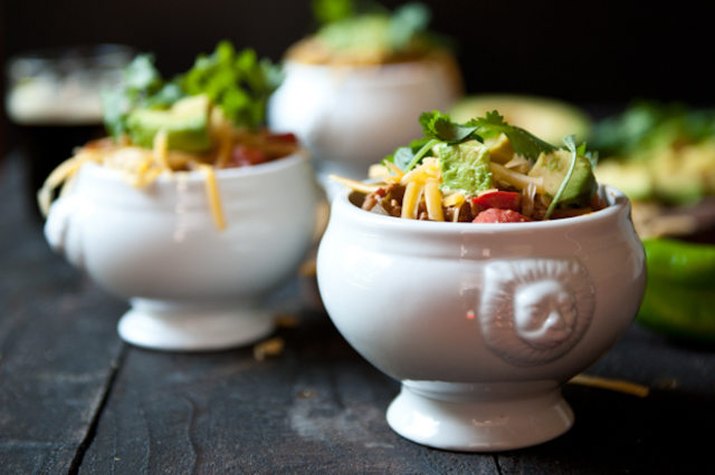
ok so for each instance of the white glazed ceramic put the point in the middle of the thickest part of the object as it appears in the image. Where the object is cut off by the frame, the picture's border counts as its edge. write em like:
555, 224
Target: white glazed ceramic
333, 108
191, 286
481, 323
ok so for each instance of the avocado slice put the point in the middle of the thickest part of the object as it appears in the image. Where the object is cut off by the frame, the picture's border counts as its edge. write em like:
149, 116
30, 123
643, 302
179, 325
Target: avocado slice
500, 150
553, 167
186, 124
548, 119
632, 178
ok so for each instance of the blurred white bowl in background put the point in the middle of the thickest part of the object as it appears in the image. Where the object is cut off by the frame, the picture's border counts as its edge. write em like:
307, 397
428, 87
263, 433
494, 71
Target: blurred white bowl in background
351, 117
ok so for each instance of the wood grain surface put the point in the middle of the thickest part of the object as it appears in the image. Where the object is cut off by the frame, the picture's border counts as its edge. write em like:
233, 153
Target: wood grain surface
75, 399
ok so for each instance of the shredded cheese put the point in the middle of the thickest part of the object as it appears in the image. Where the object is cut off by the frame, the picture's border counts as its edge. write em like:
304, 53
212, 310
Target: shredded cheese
377, 171
59, 176
516, 179
433, 200
139, 179
287, 320
355, 185
141, 168
214, 196
422, 183
161, 149
519, 164
388, 172
411, 200
454, 199
619, 385
272, 347
225, 144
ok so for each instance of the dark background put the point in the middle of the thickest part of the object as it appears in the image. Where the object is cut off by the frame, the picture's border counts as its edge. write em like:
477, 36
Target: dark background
589, 53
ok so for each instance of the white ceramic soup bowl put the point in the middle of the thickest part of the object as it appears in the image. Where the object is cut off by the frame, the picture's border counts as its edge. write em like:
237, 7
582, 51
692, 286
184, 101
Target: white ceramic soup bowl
191, 286
481, 323
333, 108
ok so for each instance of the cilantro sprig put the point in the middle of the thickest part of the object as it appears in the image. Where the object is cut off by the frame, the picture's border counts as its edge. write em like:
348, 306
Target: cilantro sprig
576, 151
236, 81
438, 127
523, 142
142, 86
570, 143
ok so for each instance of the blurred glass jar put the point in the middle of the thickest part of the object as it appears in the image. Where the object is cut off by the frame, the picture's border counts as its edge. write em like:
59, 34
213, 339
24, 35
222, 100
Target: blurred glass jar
53, 100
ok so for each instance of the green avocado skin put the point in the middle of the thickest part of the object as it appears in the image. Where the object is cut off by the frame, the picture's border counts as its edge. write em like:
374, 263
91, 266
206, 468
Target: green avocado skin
680, 293
553, 168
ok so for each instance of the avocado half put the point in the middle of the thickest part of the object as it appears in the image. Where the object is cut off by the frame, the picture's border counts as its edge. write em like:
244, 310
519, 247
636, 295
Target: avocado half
547, 118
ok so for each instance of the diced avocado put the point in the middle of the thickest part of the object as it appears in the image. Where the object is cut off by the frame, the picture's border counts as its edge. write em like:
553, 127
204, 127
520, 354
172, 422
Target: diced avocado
186, 124
464, 167
553, 167
500, 150
549, 119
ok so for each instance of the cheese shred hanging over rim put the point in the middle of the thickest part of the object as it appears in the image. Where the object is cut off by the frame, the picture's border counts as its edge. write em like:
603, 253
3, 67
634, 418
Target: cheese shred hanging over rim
140, 167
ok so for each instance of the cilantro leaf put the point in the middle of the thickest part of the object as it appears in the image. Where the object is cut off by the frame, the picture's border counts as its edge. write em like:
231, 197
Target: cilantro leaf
523, 142
420, 154
141, 75
570, 143
406, 158
402, 157
236, 81
591, 156
438, 125
141, 81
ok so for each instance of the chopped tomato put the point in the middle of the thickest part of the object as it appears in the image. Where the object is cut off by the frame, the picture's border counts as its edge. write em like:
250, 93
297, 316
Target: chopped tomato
245, 156
498, 199
284, 138
496, 215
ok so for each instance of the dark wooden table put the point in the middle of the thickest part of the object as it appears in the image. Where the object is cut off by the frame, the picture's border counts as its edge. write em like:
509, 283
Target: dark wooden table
74, 398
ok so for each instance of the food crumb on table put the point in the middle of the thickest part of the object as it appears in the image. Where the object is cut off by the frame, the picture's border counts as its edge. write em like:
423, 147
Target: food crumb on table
273, 347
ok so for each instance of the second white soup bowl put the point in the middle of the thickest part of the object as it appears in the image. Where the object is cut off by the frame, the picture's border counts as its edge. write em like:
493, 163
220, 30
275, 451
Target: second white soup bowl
333, 108
481, 323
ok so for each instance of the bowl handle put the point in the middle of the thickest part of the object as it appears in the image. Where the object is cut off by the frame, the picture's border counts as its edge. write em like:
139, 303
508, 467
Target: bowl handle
58, 229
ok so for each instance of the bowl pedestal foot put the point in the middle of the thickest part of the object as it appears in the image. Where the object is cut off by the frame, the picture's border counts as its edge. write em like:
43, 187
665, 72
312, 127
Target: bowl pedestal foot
478, 418
172, 326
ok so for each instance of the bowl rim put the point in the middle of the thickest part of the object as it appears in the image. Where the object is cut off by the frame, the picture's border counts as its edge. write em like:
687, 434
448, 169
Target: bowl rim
616, 199
433, 55
192, 176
